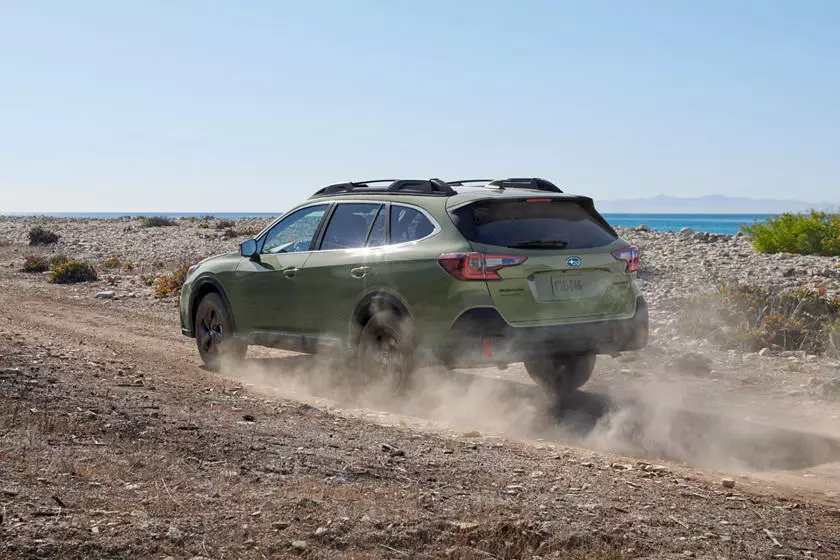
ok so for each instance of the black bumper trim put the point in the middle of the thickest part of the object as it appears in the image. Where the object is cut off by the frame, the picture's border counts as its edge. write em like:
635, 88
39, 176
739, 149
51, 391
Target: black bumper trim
482, 337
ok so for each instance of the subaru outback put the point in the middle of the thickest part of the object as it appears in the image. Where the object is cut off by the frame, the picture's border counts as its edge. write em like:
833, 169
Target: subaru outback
400, 273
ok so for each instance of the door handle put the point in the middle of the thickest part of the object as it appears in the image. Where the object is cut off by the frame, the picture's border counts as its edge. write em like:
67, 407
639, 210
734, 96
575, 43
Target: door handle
290, 272
359, 271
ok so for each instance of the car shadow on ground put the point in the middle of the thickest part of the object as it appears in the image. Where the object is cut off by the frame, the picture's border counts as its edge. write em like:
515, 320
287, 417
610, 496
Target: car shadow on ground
631, 426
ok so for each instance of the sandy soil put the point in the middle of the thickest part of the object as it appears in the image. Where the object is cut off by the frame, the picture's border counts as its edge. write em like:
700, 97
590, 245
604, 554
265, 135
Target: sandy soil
115, 443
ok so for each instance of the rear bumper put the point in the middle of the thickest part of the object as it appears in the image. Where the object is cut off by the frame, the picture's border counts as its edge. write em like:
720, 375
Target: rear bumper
481, 336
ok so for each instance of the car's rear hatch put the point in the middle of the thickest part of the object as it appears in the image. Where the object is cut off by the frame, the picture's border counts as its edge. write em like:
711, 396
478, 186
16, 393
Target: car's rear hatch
560, 265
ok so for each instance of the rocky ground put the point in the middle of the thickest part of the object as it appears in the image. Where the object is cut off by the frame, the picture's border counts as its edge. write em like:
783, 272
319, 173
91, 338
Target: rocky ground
114, 443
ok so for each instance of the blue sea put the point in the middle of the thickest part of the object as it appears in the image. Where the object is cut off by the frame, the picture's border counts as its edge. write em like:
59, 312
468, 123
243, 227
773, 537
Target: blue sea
712, 223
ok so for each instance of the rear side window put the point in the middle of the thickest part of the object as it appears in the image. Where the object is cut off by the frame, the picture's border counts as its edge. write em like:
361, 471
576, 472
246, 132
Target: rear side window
540, 224
349, 226
409, 224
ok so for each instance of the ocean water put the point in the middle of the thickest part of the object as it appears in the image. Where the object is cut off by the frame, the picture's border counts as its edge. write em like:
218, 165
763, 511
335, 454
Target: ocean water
712, 223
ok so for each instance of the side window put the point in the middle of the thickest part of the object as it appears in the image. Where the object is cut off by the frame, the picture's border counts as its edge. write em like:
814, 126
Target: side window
349, 226
379, 231
408, 224
294, 233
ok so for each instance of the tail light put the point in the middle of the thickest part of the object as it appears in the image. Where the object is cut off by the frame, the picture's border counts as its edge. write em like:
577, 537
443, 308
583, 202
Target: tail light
477, 266
630, 255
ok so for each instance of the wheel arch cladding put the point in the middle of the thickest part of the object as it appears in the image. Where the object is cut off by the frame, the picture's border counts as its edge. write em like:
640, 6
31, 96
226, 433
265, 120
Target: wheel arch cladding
370, 306
205, 287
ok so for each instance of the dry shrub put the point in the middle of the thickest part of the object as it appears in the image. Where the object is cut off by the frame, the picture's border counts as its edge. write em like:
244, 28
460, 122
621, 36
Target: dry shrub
112, 262
58, 260
35, 263
42, 236
170, 284
157, 221
225, 224
73, 272
752, 318
128, 267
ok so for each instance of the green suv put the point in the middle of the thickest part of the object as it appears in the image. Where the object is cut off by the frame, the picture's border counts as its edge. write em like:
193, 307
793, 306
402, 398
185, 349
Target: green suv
400, 273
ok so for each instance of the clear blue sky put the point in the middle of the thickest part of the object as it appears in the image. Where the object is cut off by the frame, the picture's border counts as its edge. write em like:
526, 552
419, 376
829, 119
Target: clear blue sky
250, 106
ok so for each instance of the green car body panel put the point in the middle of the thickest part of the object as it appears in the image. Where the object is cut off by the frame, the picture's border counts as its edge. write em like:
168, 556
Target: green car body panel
321, 296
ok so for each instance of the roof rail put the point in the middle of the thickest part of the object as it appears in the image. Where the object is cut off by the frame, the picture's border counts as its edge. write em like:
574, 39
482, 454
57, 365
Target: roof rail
429, 187
530, 183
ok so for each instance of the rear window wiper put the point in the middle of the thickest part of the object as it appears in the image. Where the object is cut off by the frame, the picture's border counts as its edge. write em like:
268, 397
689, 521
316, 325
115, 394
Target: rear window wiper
540, 244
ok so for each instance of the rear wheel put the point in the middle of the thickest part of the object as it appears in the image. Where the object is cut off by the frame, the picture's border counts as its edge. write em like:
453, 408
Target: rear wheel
386, 350
562, 373
214, 333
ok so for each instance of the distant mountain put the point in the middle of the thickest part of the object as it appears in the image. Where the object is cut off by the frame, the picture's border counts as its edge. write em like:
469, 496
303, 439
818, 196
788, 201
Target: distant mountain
711, 204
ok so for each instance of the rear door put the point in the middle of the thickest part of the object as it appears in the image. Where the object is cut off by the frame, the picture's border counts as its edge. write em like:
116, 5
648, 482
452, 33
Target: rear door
569, 273
336, 276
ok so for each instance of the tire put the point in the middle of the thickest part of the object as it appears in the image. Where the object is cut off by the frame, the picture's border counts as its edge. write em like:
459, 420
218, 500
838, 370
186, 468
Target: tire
214, 333
562, 373
386, 351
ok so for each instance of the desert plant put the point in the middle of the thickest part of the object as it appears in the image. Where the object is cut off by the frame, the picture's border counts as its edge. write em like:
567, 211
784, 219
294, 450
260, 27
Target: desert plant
128, 267
35, 263
57, 260
112, 262
225, 224
817, 233
204, 225
73, 272
41, 236
170, 284
751, 318
157, 221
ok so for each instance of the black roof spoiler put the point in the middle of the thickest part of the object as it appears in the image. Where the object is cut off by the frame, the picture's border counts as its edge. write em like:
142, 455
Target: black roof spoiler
428, 187
529, 183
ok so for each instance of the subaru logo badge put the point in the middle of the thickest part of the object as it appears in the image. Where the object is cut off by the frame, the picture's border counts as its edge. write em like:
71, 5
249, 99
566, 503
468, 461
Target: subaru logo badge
573, 262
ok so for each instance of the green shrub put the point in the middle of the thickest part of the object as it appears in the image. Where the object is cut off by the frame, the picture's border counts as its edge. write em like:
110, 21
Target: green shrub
128, 267
41, 236
112, 262
170, 284
157, 221
57, 260
73, 272
204, 225
35, 263
817, 233
225, 224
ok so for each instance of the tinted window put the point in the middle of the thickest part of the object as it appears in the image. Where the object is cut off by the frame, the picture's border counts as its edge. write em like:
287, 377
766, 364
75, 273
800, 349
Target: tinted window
408, 224
557, 224
349, 226
379, 232
295, 232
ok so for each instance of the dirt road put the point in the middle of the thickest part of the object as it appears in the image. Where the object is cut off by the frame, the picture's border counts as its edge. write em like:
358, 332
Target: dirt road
114, 443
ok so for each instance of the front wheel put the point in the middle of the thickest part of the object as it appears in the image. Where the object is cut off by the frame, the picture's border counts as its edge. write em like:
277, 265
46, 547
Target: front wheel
386, 350
214, 334
562, 373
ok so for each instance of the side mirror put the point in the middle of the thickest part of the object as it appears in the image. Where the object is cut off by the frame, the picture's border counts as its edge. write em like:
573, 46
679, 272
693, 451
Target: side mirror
248, 248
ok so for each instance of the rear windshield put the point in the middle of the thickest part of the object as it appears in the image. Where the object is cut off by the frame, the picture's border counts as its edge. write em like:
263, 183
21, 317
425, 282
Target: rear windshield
535, 224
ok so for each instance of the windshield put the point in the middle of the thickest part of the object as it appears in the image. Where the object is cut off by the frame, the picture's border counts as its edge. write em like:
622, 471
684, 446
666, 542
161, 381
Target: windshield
542, 223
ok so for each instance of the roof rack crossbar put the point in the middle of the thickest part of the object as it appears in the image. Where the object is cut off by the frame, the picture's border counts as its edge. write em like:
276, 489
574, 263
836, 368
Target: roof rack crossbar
530, 183
463, 182
434, 187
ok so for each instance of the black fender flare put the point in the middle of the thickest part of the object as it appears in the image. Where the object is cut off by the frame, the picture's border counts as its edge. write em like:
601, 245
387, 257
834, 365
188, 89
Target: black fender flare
368, 305
200, 289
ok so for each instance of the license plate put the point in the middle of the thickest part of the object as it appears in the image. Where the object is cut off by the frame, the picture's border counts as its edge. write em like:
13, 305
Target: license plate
567, 287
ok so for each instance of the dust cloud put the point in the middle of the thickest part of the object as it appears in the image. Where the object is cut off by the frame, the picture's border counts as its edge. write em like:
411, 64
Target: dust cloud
650, 421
